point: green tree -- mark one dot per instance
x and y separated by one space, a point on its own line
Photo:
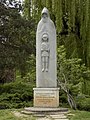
71 18
17 42
73 76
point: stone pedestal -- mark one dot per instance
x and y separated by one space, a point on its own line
46 97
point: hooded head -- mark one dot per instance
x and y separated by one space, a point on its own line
45 14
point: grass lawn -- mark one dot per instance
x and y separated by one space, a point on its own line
13 114
79 115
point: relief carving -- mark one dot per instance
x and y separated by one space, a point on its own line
45 52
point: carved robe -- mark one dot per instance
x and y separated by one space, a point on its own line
46 79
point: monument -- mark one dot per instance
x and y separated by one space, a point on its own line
46 93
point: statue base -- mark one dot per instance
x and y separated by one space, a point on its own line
46 97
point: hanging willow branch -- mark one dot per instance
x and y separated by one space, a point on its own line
70 17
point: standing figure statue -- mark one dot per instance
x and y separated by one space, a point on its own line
46 93
46 68
45 51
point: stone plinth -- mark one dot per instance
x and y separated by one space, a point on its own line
46 97
40 109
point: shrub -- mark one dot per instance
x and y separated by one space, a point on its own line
83 103
16 95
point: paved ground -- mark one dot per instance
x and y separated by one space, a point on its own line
45 114
58 116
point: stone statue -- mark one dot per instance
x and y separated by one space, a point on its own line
46 93
45 53
46 70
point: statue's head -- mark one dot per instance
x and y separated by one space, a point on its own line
45 14
45 37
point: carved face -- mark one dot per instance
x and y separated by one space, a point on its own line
44 15
45 37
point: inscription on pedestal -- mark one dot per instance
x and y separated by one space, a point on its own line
46 98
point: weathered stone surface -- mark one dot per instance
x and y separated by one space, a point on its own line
46 97
61 116
46 69
47 110
27 112
39 115
43 119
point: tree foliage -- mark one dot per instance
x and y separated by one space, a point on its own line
71 18
17 41
17 48
73 77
